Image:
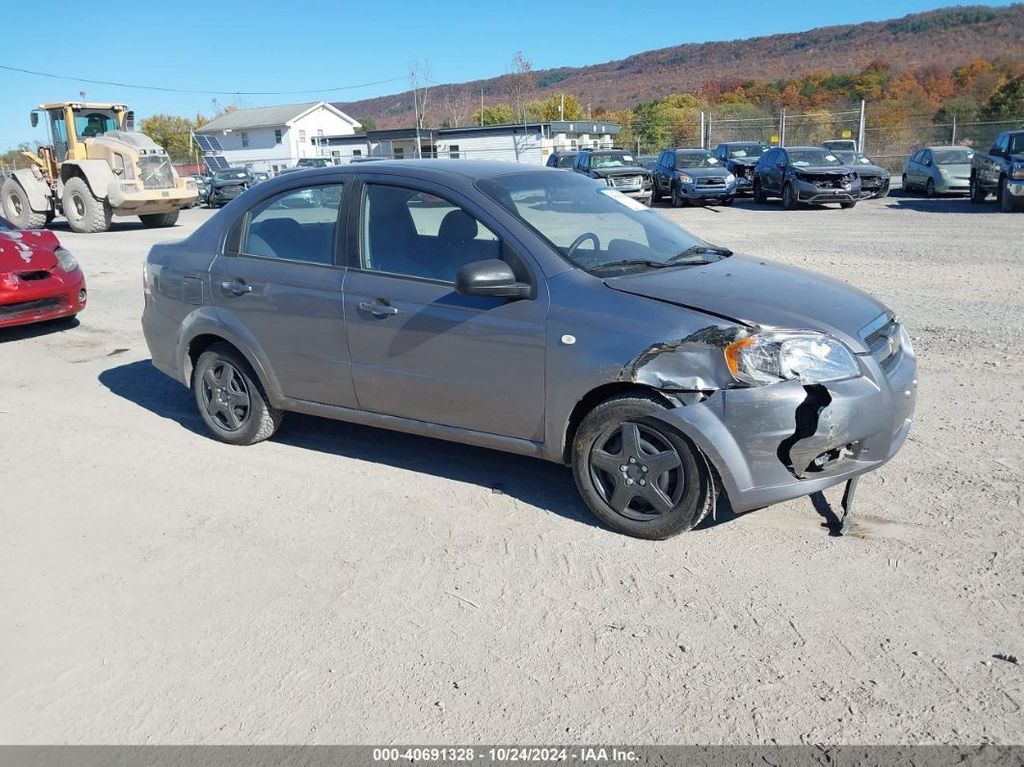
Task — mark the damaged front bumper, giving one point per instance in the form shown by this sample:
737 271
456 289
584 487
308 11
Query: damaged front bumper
782 441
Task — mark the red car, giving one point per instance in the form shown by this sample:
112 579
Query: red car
39 280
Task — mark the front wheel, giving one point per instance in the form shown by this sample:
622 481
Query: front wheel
789 199
759 196
230 399
847 205
85 213
906 184
1006 201
655 193
977 193
636 474
929 188
677 199
728 201
152 220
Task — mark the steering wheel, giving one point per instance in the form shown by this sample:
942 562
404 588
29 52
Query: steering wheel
582 239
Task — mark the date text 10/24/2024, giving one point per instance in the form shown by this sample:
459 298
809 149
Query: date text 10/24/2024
503 755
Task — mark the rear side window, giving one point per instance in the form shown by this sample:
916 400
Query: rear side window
297 225
416 234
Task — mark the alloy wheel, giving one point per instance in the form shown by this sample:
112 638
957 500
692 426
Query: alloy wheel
226 396
637 472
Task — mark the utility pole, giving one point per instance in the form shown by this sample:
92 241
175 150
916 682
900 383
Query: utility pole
702 130
481 107
952 139
782 127
860 133
561 108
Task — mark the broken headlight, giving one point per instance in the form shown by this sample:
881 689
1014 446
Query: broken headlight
65 260
768 358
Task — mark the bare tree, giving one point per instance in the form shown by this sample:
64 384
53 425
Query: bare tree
519 83
457 106
419 83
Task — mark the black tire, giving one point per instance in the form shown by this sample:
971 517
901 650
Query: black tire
677 200
758 192
655 194
676 500
977 193
85 213
152 220
230 398
929 188
1006 201
789 199
906 188
728 201
16 207
847 205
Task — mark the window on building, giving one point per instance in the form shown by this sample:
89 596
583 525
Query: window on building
453 151
319 131
277 136
297 225
399 153
245 139
357 152
302 137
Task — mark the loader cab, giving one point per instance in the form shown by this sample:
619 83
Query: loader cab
70 123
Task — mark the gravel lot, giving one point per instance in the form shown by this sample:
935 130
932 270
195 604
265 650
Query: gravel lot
344 584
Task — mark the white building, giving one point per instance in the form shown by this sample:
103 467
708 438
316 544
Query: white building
273 138
529 143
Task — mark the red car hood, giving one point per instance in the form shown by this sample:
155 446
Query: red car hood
27 250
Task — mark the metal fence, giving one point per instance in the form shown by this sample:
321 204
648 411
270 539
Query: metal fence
786 128
890 145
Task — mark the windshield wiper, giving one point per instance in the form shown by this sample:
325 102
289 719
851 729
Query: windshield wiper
692 255
628 262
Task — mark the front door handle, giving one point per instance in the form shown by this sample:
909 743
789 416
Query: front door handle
378 308
236 287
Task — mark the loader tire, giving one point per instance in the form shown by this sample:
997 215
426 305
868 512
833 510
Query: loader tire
85 213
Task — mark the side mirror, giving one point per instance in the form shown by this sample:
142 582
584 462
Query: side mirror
492 277
129 121
34 118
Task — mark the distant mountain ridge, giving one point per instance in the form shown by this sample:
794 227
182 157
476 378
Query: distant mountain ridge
947 37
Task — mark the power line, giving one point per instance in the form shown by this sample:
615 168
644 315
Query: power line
186 90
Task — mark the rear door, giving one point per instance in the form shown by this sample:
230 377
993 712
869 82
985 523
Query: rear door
281 280
419 349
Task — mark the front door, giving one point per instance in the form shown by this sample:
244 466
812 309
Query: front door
284 289
422 351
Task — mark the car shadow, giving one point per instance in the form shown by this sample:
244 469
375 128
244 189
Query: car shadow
37 329
942 205
545 485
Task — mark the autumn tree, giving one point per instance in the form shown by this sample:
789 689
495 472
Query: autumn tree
498 114
173 133
553 108
519 82
419 83
1007 103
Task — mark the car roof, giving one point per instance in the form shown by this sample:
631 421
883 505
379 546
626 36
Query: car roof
745 143
948 146
433 169
817 148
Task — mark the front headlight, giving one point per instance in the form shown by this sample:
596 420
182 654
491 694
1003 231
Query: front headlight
65 260
768 358
1017 170
943 172
129 186
730 178
684 178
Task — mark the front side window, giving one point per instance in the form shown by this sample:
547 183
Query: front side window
592 226
418 234
297 225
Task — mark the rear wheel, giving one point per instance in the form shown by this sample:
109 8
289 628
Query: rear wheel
85 213
152 220
789 199
977 193
230 399
16 207
636 474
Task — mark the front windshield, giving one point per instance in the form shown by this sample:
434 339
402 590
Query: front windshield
739 151
853 158
696 160
91 124
590 225
802 158
952 156
229 174
566 160
602 161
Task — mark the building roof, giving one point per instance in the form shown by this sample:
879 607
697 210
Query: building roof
267 117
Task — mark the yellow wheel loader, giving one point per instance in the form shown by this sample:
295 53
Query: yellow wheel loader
95 167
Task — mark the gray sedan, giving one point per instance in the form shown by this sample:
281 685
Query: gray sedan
537 312
938 170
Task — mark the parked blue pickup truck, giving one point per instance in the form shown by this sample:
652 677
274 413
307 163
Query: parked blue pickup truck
1000 172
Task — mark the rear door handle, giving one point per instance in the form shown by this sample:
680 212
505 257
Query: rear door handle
378 308
236 287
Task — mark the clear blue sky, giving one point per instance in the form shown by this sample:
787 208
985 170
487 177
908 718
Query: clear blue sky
280 46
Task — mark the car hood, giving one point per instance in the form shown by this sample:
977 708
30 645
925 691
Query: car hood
745 162
28 250
823 170
757 293
959 170
231 182
871 170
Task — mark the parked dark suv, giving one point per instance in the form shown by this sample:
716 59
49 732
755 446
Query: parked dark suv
564 160
617 168
805 174
739 158
536 312
692 176
226 184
